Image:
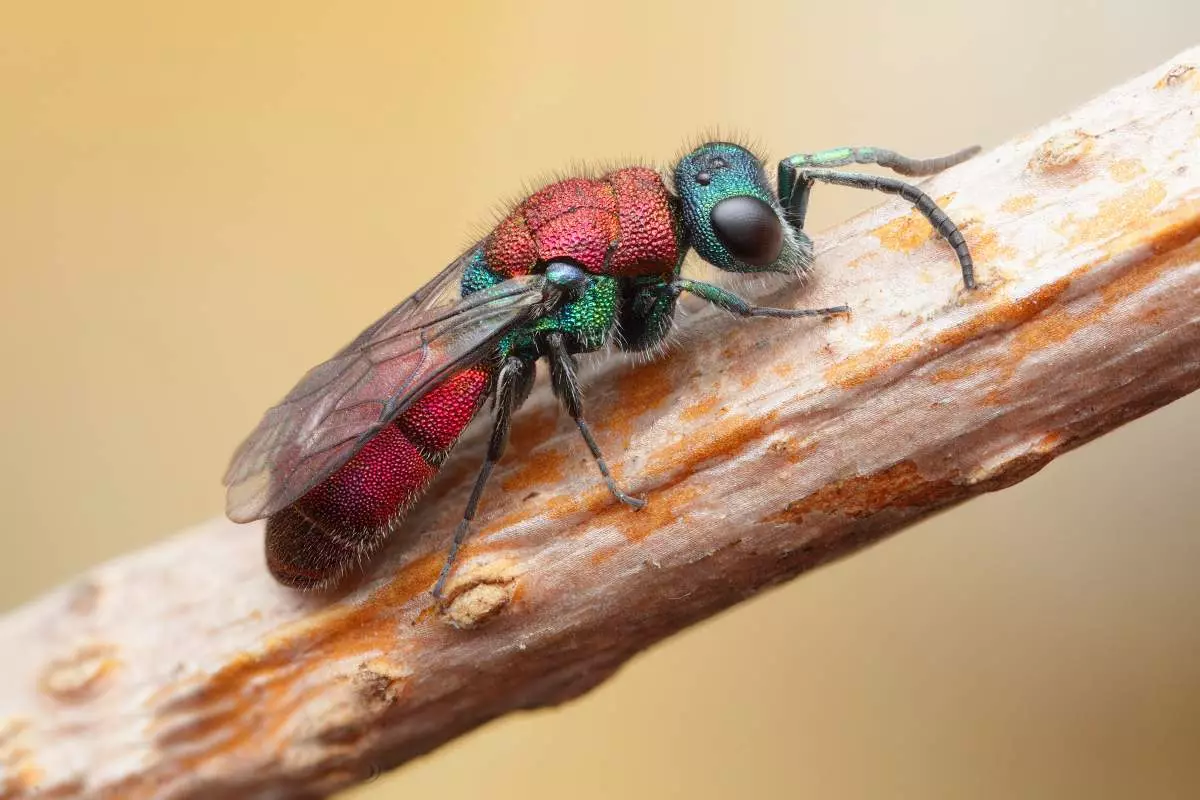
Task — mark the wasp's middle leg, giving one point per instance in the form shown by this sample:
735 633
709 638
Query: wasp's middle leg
566 387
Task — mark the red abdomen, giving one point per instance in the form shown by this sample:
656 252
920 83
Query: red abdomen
622 224
349 514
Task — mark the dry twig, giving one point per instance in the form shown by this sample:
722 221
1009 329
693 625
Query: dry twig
764 447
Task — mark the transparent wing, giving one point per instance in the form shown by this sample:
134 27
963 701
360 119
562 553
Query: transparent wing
441 290
340 404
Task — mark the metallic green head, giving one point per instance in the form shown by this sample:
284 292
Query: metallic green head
731 214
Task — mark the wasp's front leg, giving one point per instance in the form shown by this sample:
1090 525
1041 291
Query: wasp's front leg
645 316
798 173
723 298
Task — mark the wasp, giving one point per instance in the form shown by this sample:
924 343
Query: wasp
581 264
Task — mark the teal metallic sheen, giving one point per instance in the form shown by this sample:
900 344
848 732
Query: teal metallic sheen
586 321
706 176
477 276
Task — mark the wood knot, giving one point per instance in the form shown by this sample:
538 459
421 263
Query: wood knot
81 675
1179 74
481 595
380 682
1062 151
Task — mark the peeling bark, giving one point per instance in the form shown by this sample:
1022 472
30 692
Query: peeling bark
764 447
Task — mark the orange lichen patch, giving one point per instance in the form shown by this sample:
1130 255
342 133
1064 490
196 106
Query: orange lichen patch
1062 151
788 450
1058 324
1115 215
720 440
556 506
1054 326
904 234
1178 75
861 368
1005 314
240 709
858 261
1162 233
960 372
783 369
1049 442
865 366
606 553
1019 204
641 390
900 486
540 468
987 247
1126 169
873 362
80 675
697 410
664 508
529 428
1148 272
1152 316
879 335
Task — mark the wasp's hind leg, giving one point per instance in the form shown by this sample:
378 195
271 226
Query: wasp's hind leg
798 173
513 384
566 387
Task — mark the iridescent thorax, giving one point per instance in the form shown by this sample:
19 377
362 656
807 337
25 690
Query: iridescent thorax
623 228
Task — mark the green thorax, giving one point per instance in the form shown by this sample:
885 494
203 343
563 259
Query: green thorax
587 321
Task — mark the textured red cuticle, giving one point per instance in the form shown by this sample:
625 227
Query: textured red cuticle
436 420
511 249
582 235
621 225
648 233
368 489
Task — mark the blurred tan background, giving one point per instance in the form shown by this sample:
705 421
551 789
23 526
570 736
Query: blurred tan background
199 201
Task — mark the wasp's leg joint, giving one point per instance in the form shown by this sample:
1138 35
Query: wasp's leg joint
566 387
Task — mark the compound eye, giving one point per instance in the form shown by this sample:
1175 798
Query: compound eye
749 228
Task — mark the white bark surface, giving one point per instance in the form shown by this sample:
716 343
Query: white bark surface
764 448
